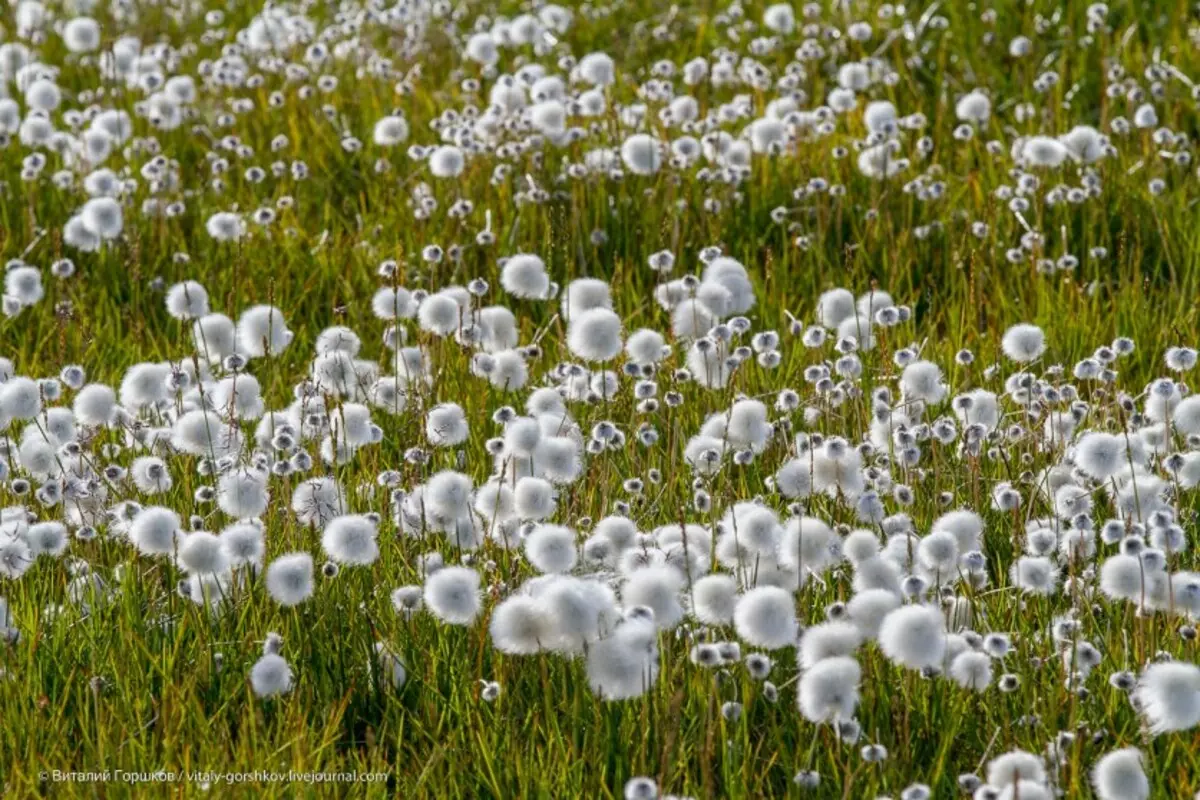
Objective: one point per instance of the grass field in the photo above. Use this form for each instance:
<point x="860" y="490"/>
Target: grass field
<point x="285" y="238"/>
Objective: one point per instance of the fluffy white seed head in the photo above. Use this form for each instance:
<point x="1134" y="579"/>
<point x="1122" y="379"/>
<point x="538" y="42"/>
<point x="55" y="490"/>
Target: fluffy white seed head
<point x="1119" y="775"/>
<point x="714" y="599"/>
<point x="201" y="552"/>
<point x="642" y="154"/>
<point x="271" y="675"/>
<point x="1169" y="696"/>
<point x="351" y="539"/>
<point x="828" y="691"/>
<point x="1023" y="342"/>
<point x="243" y="493"/>
<point x="446" y="425"/>
<point x="390" y="131"/>
<point x="187" y="300"/>
<point x="94" y="404"/>
<point x="1015" y="767"/>
<point x="551" y="548"/>
<point x="318" y="500"/>
<point x="525" y="276"/>
<point x="520" y="625"/>
<point x="766" y="617"/>
<point x="914" y="636"/>
<point x="262" y="331"/>
<point x="595" y="335"/>
<point x="289" y="579"/>
<point x="155" y="530"/>
<point x="452" y="594"/>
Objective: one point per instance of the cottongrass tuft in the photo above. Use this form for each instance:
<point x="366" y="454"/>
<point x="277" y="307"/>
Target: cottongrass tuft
<point x="1118" y="775"/>
<point x="271" y="675"/>
<point x="828" y="691"/>
<point x="1168" y="696"/>
<point x="766" y="617"/>
<point x="289" y="579"/>
<point x="1023" y="343"/>
<point x="914" y="636"/>
<point x="452" y="594"/>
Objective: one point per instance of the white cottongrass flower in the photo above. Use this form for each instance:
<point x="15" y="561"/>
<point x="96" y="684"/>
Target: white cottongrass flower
<point x="1043" y="151"/>
<point x="271" y="675"/>
<point x="94" y="404"/>
<point x="1035" y="575"/>
<point x="187" y="300"/>
<point x="731" y="275"/>
<point x="318" y="500"/>
<point x="393" y="303"/>
<point x="262" y="331"/>
<point x="779" y="18"/>
<point x="15" y="556"/>
<point x="524" y="275"/>
<point x="597" y="69"/>
<point x="102" y="217"/>
<point x="1023" y="342"/>
<point x="155" y="530"/>
<point x="452" y="594"/>
<point x="714" y="599"/>
<point x="551" y="548"/>
<point x="481" y="48"/>
<point x="351" y="539"/>
<point x="289" y="579"/>
<point x="974" y="107"/>
<point x="20" y="398"/>
<point x="534" y="499"/>
<point x="827" y="640"/>
<point x="1119" y="775"/>
<point x="214" y="336"/>
<point x="46" y="538"/>
<point x="642" y="154"/>
<point x="390" y="131"/>
<point x="1168" y="694"/>
<point x="243" y="493"/>
<point x="1186" y="416"/>
<point x="243" y="543"/>
<point x="914" y="636"/>
<point x="24" y="285"/>
<point x="645" y="346"/>
<point x="407" y="600"/>
<point x="766" y="617"/>
<point x="447" y="161"/>
<point x="1085" y="144"/>
<point x="625" y="663"/>
<point x="446" y="425"/>
<point x="828" y="691"/>
<point x="972" y="670"/>
<point x="520" y="625"/>
<point x="448" y="494"/>
<point x="657" y="588"/>
<point x="390" y="665"/>
<point x="868" y="608"/>
<point x="81" y="35"/>
<point x="794" y="479"/>
<point x="922" y="380"/>
<point x="201" y="553"/>
<point x="595" y="335"/>
<point x="1016" y="768"/>
<point x="1101" y="455"/>
<point x="226" y="226"/>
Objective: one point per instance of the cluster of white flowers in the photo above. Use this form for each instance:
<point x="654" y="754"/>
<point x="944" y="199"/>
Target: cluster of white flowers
<point x="95" y="459"/>
<point x="583" y="470"/>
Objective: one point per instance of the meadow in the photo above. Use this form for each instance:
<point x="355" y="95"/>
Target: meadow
<point x="608" y="400"/>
